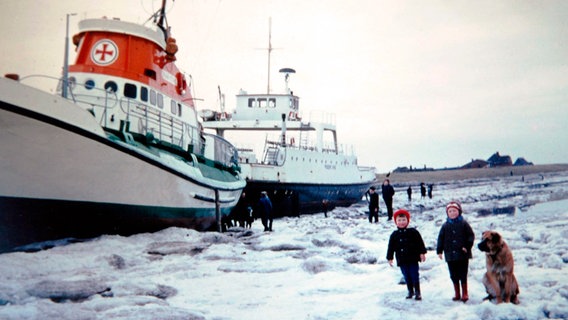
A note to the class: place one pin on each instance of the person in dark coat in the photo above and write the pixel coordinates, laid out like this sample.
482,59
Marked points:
422,189
373,205
241,211
408,246
409,193
324,206
455,241
430,188
388,193
265,211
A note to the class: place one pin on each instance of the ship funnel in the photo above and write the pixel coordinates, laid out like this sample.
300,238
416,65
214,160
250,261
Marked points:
287,71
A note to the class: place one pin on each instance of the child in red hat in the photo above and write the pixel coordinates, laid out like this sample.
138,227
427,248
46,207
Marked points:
409,248
455,241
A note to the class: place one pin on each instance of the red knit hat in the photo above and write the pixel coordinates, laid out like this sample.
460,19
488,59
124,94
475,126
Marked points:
454,204
401,212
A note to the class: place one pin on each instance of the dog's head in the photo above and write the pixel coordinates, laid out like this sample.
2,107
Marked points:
491,242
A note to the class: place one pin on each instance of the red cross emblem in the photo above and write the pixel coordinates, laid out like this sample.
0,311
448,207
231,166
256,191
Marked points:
104,52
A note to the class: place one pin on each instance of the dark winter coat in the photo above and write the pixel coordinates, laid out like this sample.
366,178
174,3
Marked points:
265,207
387,191
373,201
454,235
407,245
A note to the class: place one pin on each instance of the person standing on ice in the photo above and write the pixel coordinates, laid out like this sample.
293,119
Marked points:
265,208
388,193
373,205
409,248
455,241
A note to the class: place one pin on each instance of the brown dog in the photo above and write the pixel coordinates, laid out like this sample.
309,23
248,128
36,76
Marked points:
499,280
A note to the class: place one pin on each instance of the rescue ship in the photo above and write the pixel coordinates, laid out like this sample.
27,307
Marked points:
119,149
302,167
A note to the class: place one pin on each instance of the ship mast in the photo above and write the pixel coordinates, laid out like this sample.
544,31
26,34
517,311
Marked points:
65,80
269,52
159,18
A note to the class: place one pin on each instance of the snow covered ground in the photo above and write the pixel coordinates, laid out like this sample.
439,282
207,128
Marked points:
308,268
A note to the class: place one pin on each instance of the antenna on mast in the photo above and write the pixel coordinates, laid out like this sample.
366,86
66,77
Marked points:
269,52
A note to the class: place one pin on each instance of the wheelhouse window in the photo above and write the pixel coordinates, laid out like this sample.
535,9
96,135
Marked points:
173,107
262,102
144,94
130,90
252,103
152,97
160,101
272,103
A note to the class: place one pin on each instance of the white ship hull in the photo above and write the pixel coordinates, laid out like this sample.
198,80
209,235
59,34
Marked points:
63,177
302,179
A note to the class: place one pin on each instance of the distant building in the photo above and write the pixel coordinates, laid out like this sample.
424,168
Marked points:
497,160
522,162
474,164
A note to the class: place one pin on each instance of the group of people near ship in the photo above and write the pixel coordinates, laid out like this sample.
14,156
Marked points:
246,212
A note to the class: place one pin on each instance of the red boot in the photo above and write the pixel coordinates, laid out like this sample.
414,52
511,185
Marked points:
465,296
457,296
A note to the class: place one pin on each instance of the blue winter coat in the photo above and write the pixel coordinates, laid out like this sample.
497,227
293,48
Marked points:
454,235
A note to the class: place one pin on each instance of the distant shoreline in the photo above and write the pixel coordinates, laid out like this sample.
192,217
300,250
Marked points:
437,176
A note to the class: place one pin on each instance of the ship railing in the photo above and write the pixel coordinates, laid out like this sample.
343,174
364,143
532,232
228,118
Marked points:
271,155
220,150
163,126
322,117
166,127
101,98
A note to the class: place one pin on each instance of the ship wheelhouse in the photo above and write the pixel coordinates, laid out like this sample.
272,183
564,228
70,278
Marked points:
266,107
126,77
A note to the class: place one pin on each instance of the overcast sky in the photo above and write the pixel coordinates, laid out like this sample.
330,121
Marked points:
412,83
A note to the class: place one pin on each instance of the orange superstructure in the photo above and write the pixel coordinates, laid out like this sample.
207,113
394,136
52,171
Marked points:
125,75
143,55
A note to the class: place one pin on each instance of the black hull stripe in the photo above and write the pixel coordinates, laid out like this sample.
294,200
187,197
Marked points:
24,221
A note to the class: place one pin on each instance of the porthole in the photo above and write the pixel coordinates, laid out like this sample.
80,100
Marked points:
89,84
72,82
111,86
